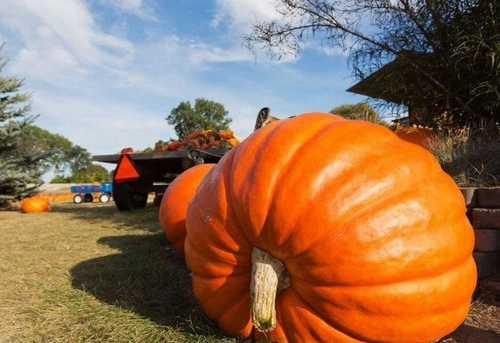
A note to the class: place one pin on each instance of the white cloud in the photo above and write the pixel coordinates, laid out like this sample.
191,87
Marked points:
202,53
101,126
60,38
134,7
240,16
104,93
243,14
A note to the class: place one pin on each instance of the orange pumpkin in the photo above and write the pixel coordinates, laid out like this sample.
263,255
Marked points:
173,207
35,205
226,134
233,142
321,229
174,146
417,135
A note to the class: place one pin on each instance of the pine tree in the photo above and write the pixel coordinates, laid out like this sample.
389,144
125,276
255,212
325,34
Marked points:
19,175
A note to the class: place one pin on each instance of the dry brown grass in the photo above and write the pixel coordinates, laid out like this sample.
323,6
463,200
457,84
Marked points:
89,273
472,159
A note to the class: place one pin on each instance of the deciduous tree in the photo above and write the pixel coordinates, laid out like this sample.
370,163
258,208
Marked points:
205,115
448,50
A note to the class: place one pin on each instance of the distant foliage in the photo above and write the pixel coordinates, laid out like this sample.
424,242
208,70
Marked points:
449,50
359,111
205,115
91,174
19,172
60,153
69,161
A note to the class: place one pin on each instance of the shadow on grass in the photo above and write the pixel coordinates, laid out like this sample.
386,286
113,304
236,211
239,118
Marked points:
149,279
143,219
146,278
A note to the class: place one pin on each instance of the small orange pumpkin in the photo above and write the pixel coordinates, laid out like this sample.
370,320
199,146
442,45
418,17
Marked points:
233,142
226,134
321,229
417,135
174,146
35,205
174,205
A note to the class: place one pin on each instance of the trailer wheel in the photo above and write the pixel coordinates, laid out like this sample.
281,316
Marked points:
88,197
127,199
77,199
104,198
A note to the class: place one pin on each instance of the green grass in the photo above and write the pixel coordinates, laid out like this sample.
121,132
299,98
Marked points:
91,274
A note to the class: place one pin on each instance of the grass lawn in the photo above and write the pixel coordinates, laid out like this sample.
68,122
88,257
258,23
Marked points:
89,273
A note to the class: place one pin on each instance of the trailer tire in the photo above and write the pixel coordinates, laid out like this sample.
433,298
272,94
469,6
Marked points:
88,197
77,199
128,199
104,198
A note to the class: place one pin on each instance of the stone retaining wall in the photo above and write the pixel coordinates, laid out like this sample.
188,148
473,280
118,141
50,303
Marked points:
483,206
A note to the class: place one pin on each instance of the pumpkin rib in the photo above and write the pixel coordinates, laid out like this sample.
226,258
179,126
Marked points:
228,177
360,213
367,211
445,308
234,233
295,159
456,267
233,312
443,268
218,252
342,176
365,164
319,316
311,327
291,157
230,205
229,296
228,265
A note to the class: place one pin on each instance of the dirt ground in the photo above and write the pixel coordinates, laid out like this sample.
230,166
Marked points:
88,273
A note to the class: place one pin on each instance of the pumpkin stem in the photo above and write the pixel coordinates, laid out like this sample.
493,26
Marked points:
268,277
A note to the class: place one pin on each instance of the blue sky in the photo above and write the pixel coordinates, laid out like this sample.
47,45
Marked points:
105,73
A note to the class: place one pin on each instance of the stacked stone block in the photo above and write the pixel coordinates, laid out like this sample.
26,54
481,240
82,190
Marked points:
484,213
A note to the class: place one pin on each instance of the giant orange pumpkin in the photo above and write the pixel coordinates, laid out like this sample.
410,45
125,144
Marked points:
174,205
422,136
320,229
35,205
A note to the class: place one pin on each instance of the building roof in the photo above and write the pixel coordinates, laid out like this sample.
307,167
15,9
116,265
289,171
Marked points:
387,82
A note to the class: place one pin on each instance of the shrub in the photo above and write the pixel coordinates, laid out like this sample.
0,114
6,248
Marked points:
472,157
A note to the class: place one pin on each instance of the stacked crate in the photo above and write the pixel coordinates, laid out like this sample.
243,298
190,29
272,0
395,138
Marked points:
484,213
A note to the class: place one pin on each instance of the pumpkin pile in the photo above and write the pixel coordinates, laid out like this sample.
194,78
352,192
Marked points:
201,139
364,239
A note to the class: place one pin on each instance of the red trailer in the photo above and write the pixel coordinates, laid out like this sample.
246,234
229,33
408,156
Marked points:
138,174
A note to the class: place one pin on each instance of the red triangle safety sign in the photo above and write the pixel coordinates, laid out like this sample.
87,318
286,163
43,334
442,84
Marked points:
126,171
